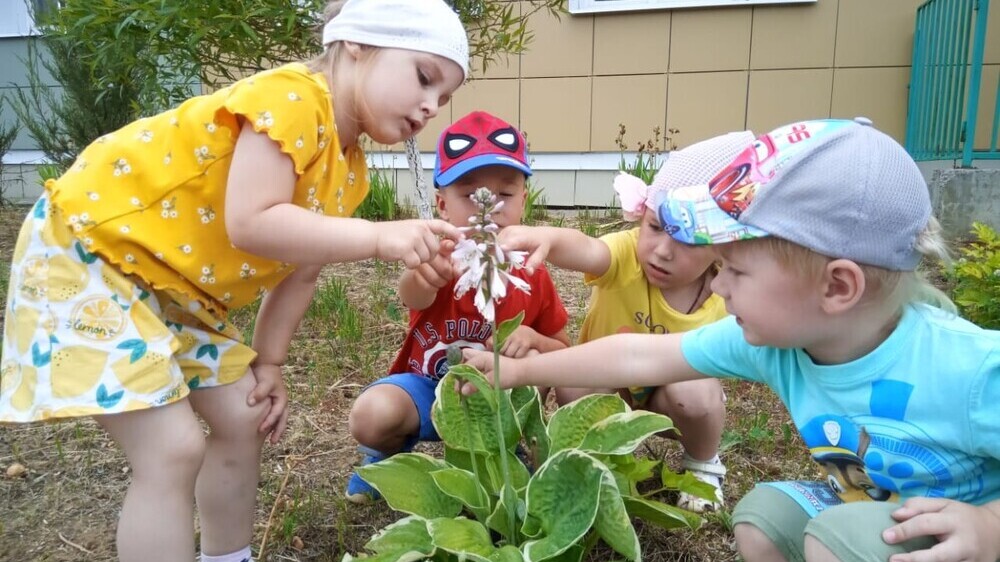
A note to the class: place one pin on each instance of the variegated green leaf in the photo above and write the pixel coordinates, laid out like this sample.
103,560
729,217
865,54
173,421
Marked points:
499,521
507,328
507,553
563,495
570,423
522,395
531,419
572,554
405,482
454,426
661,514
489,476
406,540
461,536
463,486
612,523
472,375
620,434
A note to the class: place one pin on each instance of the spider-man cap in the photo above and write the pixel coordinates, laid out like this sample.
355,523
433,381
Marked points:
476,140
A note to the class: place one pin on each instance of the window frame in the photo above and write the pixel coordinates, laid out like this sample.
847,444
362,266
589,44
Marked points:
606,6
21,22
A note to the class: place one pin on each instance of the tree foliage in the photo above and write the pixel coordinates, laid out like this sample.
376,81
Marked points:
167,45
62,121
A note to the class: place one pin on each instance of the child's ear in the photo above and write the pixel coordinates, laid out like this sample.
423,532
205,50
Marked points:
843,286
352,49
442,209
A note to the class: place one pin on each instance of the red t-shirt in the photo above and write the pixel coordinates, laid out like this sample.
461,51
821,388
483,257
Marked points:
457,321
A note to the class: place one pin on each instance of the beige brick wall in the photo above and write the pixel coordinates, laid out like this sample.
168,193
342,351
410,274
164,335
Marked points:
702,71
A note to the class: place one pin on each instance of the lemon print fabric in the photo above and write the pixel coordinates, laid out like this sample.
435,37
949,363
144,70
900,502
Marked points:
83,339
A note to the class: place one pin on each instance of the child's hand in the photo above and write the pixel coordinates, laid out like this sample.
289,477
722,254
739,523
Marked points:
270,386
483,360
413,241
965,532
519,343
439,271
526,239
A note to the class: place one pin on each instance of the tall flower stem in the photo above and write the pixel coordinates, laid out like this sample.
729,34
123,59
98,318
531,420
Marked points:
486,268
509,502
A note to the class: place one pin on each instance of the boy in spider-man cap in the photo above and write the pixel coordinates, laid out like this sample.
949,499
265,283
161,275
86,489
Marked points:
394,413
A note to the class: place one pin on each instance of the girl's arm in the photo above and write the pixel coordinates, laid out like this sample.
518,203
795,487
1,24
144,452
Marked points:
525,339
261,220
280,313
567,248
640,359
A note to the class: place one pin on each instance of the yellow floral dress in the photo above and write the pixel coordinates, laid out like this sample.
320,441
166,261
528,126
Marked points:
123,272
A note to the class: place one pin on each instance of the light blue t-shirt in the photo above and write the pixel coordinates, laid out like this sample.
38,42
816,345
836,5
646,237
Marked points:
918,416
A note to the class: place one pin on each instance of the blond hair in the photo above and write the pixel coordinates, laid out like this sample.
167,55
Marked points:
895,288
327,61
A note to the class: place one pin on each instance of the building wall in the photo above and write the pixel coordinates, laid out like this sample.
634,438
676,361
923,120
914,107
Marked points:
702,72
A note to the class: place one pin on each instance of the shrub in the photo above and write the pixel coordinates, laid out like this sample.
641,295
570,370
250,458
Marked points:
976,278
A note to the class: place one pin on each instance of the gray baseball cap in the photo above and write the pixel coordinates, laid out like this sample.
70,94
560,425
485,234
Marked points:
838,187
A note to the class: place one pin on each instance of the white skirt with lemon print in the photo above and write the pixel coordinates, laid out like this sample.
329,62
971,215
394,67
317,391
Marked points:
82,339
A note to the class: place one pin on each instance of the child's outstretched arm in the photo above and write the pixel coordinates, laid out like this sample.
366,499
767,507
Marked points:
280,313
638,359
419,287
526,339
564,247
261,220
964,531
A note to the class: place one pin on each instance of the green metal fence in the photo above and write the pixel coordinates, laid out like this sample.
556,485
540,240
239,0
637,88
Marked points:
946,80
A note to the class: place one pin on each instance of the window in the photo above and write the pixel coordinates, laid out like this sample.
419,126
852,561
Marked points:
592,6
19,21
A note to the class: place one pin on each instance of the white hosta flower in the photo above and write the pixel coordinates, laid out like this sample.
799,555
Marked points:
484,266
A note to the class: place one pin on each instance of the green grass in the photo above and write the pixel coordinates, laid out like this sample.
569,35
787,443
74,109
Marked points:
534,206
380,204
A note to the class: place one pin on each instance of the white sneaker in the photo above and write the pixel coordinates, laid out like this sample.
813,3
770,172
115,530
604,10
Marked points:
711,472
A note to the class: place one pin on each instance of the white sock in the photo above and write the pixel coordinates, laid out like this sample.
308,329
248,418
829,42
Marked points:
241,555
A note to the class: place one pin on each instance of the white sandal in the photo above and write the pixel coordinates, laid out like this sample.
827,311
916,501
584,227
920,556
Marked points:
711,472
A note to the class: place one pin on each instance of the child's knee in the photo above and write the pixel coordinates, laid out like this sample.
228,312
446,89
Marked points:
695,401
179,457
753,544
380,411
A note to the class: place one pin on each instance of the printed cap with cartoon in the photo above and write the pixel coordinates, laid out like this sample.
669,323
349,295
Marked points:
428,26
476,140
838,187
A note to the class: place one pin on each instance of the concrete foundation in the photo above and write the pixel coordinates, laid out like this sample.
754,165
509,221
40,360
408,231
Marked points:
963,196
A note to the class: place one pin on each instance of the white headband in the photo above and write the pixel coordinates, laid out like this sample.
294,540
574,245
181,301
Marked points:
428,26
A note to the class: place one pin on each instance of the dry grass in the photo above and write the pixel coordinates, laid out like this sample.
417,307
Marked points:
65,507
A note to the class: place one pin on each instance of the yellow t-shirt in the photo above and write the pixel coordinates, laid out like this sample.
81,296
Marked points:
623,301
150,197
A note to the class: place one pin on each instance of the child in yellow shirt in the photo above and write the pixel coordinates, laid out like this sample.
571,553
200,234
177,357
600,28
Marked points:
125,269
645,282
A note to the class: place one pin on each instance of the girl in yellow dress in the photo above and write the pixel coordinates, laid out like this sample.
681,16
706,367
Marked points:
125,269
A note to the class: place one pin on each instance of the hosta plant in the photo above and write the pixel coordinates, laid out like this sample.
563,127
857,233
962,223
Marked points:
483,501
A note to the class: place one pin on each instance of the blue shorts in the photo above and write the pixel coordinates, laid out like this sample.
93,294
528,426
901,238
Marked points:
421,391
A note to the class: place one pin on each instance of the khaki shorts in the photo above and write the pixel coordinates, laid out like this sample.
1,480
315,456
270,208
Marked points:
82,339
852,531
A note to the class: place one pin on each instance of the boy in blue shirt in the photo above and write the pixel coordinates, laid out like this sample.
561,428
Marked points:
820,226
